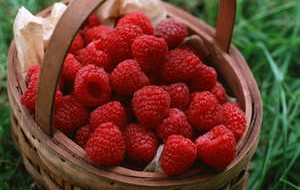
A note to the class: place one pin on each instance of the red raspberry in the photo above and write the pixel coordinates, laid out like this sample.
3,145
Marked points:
141,144
97,33
150,52
180,66
70,68
106,146
82,135
33,71
92,21
128,77
175,124
90,55
119,42
116,47
178,155
173,31
70,115
138,19
129,32
217,147
179,94
219,91
204,80
28,98
204,111
234,119
151,104
110,112
91,86
77,44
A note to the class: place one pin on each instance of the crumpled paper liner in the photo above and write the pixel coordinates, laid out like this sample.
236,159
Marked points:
32,34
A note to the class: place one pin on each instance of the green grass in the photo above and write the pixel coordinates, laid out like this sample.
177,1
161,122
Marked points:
268,35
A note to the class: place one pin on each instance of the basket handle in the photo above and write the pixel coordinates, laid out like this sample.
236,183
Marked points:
225,23
63,35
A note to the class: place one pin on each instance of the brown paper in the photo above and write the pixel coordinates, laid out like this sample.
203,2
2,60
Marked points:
32,34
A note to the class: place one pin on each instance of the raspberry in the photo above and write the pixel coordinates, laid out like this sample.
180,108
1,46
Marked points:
173,31
119,42
28,98
138,19
70,68
180,66
179,94
128,77
150,105
92,21
204,111
150,52
205,79
33,71
70,115
219,91
217,147
178,155
90,55
129,32
82,135
77,44
91,86
175,124
115,46
96,33
141,144
234,119
110,112
106,146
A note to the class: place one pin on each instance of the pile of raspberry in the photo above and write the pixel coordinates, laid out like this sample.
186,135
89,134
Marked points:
124,90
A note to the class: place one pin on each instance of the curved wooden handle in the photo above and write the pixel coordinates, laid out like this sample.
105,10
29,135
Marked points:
225,23
54,58
62,38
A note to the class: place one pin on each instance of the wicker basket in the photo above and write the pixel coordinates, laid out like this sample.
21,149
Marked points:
56,162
